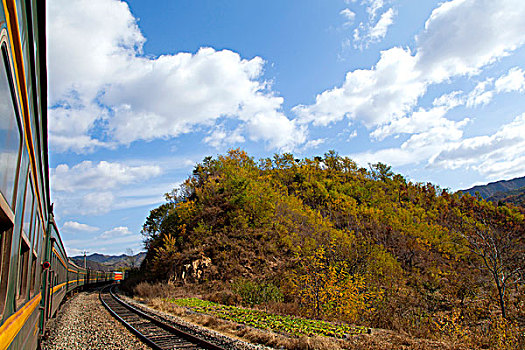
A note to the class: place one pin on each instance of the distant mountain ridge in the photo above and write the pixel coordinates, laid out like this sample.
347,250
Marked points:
508,191
109,262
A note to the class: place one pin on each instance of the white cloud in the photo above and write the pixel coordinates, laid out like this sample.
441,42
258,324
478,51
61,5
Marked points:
378,31
220,137
105,92
279,131
77,226
480,95
514,80
314,143
420,147
101,176
352,135
497,156
116,232
483,92
373,7
73,251
91,188
462,36
448,47
375,96
71,125
349,17
374,30
449,100
420,121
92,203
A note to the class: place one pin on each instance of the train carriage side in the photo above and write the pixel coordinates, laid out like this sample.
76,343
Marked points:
82,277
55,277
72,275
24,185
35,273
75,276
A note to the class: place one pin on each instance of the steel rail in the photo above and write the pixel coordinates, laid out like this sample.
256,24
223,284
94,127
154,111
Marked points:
172,337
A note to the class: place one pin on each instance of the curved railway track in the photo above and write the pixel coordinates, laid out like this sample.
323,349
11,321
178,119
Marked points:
157,334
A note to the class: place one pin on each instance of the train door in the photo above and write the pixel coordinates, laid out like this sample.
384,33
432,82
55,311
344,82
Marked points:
48,277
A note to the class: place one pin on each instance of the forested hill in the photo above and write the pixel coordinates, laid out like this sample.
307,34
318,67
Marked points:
341,242
500,190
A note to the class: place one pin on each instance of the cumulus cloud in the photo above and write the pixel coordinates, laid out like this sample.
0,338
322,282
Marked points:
374,7
422,120
462,36
378,31
89,188
497,156
480,95
349,17
449,100
514,80
447,48
419,147
484,91
93,203
116,232
376,28
77,226
104,92
372,96
101,176
312,144
220,137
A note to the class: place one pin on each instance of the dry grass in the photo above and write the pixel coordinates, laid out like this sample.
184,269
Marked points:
150,291
380,339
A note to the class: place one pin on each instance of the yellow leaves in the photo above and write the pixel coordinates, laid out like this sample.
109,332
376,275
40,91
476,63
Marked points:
165,254
423,242
504,334
451,325
186,210
169,245
326,288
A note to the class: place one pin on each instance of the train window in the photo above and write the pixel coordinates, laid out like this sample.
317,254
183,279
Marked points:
37,249
34,219
22,272
5,254
32,275
28,208
10,135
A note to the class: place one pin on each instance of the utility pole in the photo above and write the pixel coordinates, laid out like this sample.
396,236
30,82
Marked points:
85,252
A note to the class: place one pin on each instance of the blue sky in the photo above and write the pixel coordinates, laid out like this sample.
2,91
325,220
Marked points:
140,91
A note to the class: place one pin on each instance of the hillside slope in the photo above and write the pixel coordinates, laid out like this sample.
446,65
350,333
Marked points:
332,240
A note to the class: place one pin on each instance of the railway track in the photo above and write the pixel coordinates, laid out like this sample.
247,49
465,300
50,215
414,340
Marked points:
157,334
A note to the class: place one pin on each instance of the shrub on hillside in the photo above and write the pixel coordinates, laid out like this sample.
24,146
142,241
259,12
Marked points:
255,293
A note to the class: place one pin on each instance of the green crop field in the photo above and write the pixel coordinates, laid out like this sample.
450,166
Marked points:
295,326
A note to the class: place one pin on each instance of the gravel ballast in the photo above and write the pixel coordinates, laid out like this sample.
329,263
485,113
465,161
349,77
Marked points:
83,323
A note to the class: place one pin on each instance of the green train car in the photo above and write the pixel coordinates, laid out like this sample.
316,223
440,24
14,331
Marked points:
35,273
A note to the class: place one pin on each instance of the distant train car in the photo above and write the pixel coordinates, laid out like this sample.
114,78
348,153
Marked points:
118,276
35,273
